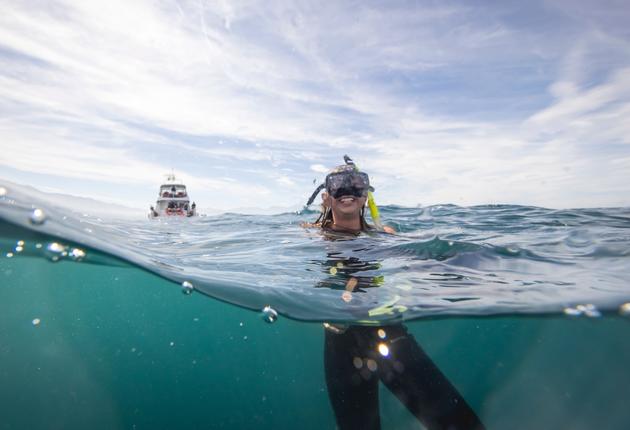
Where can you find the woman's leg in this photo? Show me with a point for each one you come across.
(352, 385)
(412, 376)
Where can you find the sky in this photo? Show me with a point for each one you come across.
(250, 103)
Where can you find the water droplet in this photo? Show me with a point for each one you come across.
(572, 312)
(624, 309)
(383, 349)
(591, 311)
(77, 254)
(371, 364)
(36, 321)
(269, 315)
(357, 362)
(55, 251)
(588, 310)
(3, 191)
(172, 344)
(38, 217)
(187, 288)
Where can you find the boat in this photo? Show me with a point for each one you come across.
(173, 200)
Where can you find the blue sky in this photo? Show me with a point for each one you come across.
(249, 102)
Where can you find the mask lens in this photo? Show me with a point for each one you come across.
(347, 183)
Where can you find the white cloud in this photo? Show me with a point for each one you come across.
(319, 168)
(440, 103)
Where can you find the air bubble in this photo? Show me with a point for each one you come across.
(588, 310)
(19, 249)
(624, 310)
(572, 312)
(77, 254)
(36, 321)
(269, 315)
(9, 254)
(383, 349)
(187, 288)
(55, 251)
(372, 365)
(38, 217)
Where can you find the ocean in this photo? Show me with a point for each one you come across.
(121, 322)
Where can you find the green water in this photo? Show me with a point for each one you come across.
(118, 347)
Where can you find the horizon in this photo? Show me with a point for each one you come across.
(251, 104)
(61, 200)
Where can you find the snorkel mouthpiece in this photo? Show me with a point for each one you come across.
(349, 191)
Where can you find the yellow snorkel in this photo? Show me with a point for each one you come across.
(376, 216)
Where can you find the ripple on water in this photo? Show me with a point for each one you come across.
(466, 261)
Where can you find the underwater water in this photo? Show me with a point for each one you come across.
(121, 322)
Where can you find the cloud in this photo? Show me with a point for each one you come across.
(439, 102)
(319, 168)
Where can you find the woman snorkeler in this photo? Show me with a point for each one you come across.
(357, 357)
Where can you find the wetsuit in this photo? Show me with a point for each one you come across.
(354, 364)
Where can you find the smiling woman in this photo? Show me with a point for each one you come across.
(347, 191)
(356, 357)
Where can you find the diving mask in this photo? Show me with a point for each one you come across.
(348, 183)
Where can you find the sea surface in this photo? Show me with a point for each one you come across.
(111, 320)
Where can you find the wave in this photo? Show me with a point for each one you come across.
(446, 259)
